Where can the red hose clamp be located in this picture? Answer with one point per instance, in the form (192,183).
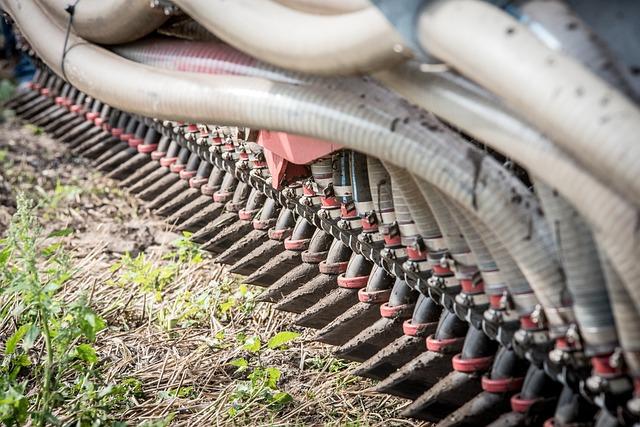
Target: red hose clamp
(187,175)
(392,240)
(32,85)
(207,190)
(232,206)
(296,245)
(90,116)
(501,385)
(98,121)
(528,324)
(45,91)
(247,215)
(357,282)
(329,202)
(391,312)
(259,224)
(60,100)
(222,196)
(166,162)
(417,329)
(313,257)
(474,364)
(134,142)
(415,254)
(446,345)
(439,270)
(125,137)
(177,168)
(333,267)
(278,234)
(75,108)
(602,366)
(147,148)
(117,132)
(196,182)
(157,155)
(550,423)
(348,211)
(521,405)
(374,297)
(470,287)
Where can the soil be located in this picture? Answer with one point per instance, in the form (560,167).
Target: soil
(181,362)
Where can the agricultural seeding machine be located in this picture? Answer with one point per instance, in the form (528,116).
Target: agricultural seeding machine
(447,191)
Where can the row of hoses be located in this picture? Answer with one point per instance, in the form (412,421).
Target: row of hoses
(564,114)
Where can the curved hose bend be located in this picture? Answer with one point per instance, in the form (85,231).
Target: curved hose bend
(460,171)
(108,22)
(580,112)
(350,43)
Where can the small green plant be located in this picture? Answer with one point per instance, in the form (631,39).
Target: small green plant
(35,130)
(186,250)
(30,277)
(4,154)
(259,389)
(61,193)
(7,89)
(148,276)
(232,301)
(260,384)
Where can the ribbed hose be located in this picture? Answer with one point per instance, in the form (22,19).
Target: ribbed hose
(474,241)
(626,315)
(450,231)
(349,43)
(586,290)
(463,173)
(580,112)
(381,194)
(108,22)
(509,271)
(360,183)
(611,217)
(418,207)
(205,57)
(585,280)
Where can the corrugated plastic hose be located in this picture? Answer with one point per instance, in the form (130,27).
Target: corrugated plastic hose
(418,206)
(610,216)
(462,172)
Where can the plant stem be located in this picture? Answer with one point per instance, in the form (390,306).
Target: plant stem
(47,367)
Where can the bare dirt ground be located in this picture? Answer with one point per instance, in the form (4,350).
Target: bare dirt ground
(190,345)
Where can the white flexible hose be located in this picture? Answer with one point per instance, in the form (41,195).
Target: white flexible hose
(349,43)
(580,112)
(108,22)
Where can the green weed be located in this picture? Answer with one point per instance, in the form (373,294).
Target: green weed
(148,276)
(51,201)
(259,388)
(31,381)
(186,250)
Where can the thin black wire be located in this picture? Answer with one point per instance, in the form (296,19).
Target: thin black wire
(70,9)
